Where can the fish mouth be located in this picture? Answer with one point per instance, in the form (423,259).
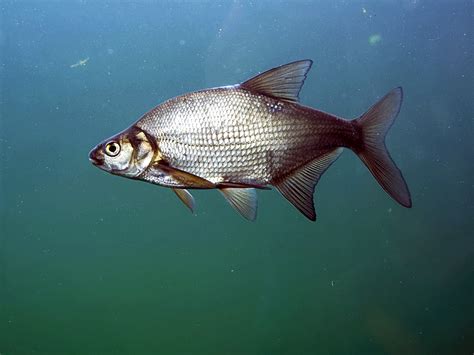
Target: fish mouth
(95,158)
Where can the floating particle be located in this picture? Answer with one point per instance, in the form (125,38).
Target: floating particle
(375,39)
(80,63)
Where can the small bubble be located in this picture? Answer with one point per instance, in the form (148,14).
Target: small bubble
(182,42)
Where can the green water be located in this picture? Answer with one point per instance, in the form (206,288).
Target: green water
(91,263)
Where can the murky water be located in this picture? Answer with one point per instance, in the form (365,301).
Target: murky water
(95,264)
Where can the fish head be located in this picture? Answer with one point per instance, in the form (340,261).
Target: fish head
(128,153)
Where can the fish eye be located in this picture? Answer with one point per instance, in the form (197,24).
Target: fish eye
(112,149)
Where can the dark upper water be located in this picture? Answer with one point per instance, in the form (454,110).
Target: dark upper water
(91,263)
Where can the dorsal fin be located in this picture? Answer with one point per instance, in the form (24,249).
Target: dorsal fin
(298,186)
(282,82)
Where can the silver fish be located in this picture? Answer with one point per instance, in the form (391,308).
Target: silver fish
(247,136)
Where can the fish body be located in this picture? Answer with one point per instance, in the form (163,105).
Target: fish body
(233,135)
(245,137)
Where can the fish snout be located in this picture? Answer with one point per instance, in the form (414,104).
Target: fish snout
(96,156)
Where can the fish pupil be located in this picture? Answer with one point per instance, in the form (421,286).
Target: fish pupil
(112,149)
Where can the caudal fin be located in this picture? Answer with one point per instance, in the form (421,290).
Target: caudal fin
(374,125)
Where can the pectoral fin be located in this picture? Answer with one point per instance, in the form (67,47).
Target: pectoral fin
(243,200)
(176,178)
(298,186)
(185,196)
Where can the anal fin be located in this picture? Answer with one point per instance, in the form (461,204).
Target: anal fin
(243,200)
(186,197)
(298,186)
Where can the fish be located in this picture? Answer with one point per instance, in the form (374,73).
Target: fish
(252,136)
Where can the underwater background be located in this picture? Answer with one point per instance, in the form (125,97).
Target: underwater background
(91,263)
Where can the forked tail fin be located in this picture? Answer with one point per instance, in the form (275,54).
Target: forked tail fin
(374,125)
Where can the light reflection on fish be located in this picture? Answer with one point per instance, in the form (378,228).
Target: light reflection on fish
(244,137)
